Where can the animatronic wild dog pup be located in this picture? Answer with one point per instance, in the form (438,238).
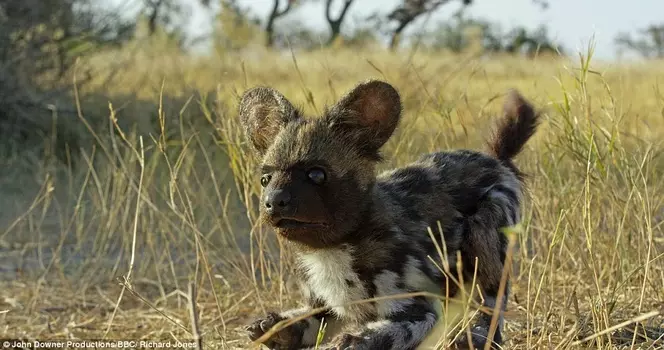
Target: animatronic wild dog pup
(360,236)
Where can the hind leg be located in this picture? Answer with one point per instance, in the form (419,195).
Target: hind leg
(486,246)
(478,335)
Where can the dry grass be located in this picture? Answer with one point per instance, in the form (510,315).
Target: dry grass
(105,242)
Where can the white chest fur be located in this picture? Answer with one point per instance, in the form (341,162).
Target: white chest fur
(330,276)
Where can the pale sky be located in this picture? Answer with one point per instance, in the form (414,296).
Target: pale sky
(571,22)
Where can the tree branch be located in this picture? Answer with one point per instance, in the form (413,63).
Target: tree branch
(328,16)
(289,6)
(409,11)
(344,10)
(335,24)
(342,15)
(274,14)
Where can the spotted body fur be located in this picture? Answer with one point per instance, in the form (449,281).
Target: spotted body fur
(361,235)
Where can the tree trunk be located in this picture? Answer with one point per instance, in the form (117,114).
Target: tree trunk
(335,30)
(335,24)
(269,26)
(152,19)
(396,35)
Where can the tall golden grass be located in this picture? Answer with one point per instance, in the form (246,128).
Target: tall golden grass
(105,241)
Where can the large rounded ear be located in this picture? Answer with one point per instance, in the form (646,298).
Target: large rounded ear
(263,113)
(373,109)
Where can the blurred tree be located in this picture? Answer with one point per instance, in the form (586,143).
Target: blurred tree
(235,28)
(335,23)
(649,45)
(294,34)
(167,17)
(457,34)
(544,4)
(40,41)
(48,33)
(274,15)
(519,40)
(363,37)
(408,11)
(461,33)
(154,7)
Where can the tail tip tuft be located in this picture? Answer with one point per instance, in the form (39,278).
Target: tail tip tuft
(515,104)
(517,126)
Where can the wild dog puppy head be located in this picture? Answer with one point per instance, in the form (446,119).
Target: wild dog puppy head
(316,173)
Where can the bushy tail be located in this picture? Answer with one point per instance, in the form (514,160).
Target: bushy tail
(515,128)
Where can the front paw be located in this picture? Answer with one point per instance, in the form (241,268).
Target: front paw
(288,338)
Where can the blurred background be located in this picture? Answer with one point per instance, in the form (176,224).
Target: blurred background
(43,40)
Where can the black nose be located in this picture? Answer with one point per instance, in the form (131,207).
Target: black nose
(277,201)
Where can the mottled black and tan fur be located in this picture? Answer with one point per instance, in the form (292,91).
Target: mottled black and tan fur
(360,235)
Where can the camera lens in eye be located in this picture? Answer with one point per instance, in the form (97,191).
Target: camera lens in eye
(317,176)
(265,179)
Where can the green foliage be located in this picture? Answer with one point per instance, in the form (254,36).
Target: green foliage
(649,42)
(160,36)
(40,42)
(235,28)
(294,34)
(462,33)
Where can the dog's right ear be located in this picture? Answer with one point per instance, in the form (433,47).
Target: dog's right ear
(372,110)
(264,112)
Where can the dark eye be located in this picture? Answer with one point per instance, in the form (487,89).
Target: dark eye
(317,175)
(265,179)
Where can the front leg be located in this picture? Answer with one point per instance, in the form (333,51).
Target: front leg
(403,327)
(299,335)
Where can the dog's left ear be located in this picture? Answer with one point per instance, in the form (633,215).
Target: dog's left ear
(373,108)
(264,112)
